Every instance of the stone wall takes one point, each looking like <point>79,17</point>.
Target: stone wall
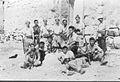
<point>17,12</point>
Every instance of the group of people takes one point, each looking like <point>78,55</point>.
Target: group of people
<point>67,41</point>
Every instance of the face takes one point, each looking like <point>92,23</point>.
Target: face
<point>32,47</point>
<point>64,22</point>
<point>49,40</point>
<point>71,30</point>
<point>28,24</point>
<point>36,22</point>
<point>78,32</point>
<point>101,20</point>
<point>45,22</point>
<point>57,21</point>
<point>77,19</point>
<point>92,42</point>
<point>65,50</point>
<point>41,46</point>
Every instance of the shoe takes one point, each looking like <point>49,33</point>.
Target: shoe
<point>82,71</point>
<point>23,67</point>
<point>70,73</point>
<point>63,71</point>
<point>104,63</point>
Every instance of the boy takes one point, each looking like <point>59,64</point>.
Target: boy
<point>30,57</point>
<point>36,32</point>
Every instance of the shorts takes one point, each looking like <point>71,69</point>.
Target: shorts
<point>27,42</point>
<point>77,63</point>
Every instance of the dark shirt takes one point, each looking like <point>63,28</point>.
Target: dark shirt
<point>36,30</point>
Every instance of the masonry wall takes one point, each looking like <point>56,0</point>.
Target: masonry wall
<point>18,11</point>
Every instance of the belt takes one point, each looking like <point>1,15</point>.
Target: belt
<point>29,36</point>
<point>88,34</point>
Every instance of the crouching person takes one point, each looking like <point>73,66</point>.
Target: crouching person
<point>67,58</point>
<point>94,51</point>
<point>31,57</point>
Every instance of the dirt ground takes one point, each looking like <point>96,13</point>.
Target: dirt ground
<point>51,69</point>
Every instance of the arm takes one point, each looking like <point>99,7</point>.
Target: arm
<point>100,50</point>
<point>38,55</point>
<point>27,53</point>
<point>32,33</point>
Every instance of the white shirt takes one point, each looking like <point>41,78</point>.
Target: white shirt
<point>44,29</point>
<point>80,39</point>
<point>69,54</point>
<point>28,31</point>
<point>79,26</point>
<point>57,29</point>
<point>73,38</point>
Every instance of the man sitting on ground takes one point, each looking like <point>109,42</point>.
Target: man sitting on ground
<point>31,56</point>
<point>67,58</point>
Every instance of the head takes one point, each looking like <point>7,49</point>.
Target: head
<point>50,39</point>
<point>45,21</point>
<point>28,24</point>
<point>92,41</point>
<point>32,46</point>
<point>41,45</point>
<point>65,49</point>
<point>77,18</point>
<point>100,20</point>
<point>78,31</point>
<point>57,21</point>
<point>36,22</point>
<point>71,29</point>
<point>64,22</point>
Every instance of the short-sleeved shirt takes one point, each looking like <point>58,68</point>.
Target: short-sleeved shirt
<point>44,29</point>
<point>57,29</point>
<point>72,38</point>
<point>69,54</point>
<point>28,31</point>
<point>80,39</point>
<point>92,49</point>
<point>79,26</point>
<point>36,30</point>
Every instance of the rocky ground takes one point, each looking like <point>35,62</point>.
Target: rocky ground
<point>51,69</point>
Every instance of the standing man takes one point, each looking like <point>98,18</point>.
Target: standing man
<point>36,32</point>
<point>28,36</point>
<point>65,25</point>
<point>78,24</point>
<point>102,34</point>
<point>57,29</point>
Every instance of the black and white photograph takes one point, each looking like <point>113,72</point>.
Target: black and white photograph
<point>59,40</point>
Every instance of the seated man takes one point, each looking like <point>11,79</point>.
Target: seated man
<point>79,42</point>
<point>67,58</point>
<point>94,51</point>
<point>49,44</point>
<point>30,57</point>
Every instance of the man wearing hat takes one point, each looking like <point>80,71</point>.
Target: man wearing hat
<point>78,24</point>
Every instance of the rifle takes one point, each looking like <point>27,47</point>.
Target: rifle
<point>23,45</point>
<point>87,54</point>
